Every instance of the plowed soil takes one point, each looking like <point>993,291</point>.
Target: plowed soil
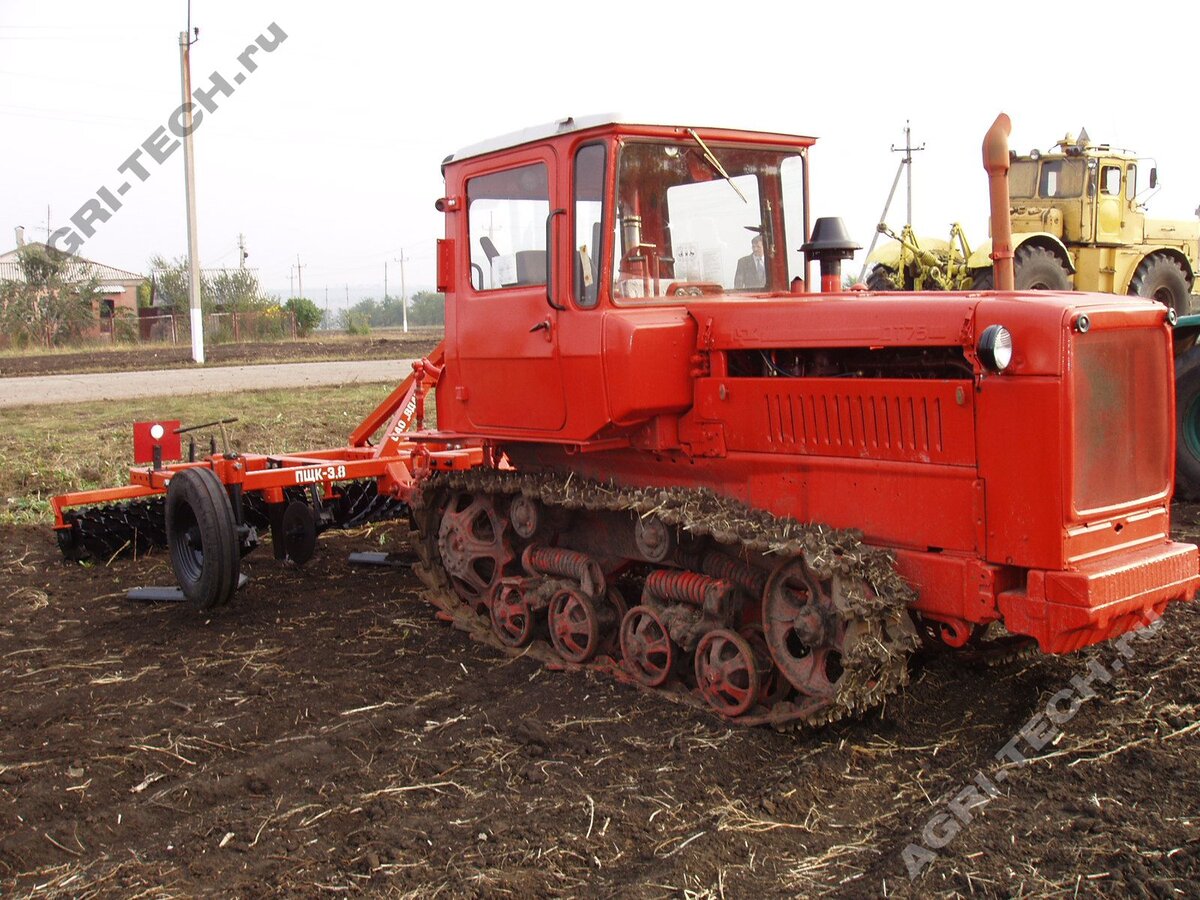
<point>325,734</point>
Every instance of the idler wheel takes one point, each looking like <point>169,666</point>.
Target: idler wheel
<point>473,547</point>
<point>647,650</point>
<point>727,672</point>
<point>574,626</point>
<point>512,618</point>
<point>202,537</point>
<point>804,629</point>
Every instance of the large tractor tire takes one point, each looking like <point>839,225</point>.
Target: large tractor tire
<point>1036,269</point>
<point>1161,278</point>
<point>881,278</point>
<point>202,538</point>
<point>1187,425</point>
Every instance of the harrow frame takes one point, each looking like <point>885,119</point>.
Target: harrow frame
<point>394,462</point>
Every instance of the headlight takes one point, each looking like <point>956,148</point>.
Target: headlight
<point>995,348</point>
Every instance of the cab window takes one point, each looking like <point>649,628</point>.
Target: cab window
<point>694,219</point>
<point>506,220</point>
<point>1110,180</point>
<point>1061,178</point>
<point>589,206</point>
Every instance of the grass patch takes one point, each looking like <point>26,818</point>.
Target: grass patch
<point>49,450</point>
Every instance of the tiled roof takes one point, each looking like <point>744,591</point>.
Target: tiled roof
<point>78,269</point>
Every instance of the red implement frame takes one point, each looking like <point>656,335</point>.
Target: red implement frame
<point>395,461</point>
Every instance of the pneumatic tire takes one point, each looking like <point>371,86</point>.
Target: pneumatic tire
<point>1161,278</point>
<point>1039,269</point>
<point>881,278</point>
<point>202,538</point>
<point>1187,426</point>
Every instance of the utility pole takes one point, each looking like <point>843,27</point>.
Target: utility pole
<point>403,294</point>
<point>189,181</point>
<point>242,254</point>
<point>905,163</point>
<point>385,281</point>
<point>299,277</point>
<point>291,281</point>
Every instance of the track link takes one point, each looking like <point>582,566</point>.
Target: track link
<point>871,593</point>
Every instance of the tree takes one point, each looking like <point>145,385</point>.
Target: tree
<point>228,290</point>
<point>427,308</point>
<point>53,304</point>
<point>306,313</point>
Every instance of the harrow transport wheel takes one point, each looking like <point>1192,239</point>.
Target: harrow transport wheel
<point>202,538</point>
<point>299,532</point>
<point>473,546</point>
<point>727,672</point>
<point>804,629</point>
<point>511,616</point>
<point>574,626</point>
<point>646,646</point>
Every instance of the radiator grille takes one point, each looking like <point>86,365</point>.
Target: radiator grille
<point>1122,432</point>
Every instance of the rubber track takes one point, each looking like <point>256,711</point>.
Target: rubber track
<point>874,593</point>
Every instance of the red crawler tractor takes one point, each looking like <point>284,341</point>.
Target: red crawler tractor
<point>659,455</point>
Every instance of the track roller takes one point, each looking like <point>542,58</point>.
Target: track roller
<point>727,672</point>
<point>646,646</point>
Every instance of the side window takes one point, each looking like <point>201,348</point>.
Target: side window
<point>1110,180</point>
<point>1131,182</point>
<point>507,227</point>
<point>589,204</point>
<point>791,174</point>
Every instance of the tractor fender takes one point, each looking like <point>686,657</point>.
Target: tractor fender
<point>1176,256</point>
<point>889,254</point>
<point>885,255</point>
<point>981,257</point>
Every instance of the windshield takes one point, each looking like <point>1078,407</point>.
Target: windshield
<point>694,218</point>
<point>1022,178</point>
<point>1061,178</point>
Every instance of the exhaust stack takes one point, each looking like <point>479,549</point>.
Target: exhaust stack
<point>995,162</point>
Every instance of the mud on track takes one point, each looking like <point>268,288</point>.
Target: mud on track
<point>327,735</point>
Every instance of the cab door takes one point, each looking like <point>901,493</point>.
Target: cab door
<point>1110,203</point>
<point>507,330</point>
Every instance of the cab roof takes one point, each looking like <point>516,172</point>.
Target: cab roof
<point>573,124</point>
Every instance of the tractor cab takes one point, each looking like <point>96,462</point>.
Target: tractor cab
<point>571,248</point>
<point>1081,193</point>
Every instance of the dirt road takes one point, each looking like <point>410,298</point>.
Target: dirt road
<point>175,382</point>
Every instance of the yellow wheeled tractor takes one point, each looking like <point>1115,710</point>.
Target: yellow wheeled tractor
<point>1079,223</point>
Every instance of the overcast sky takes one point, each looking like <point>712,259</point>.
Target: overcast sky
<point>331,148</point>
